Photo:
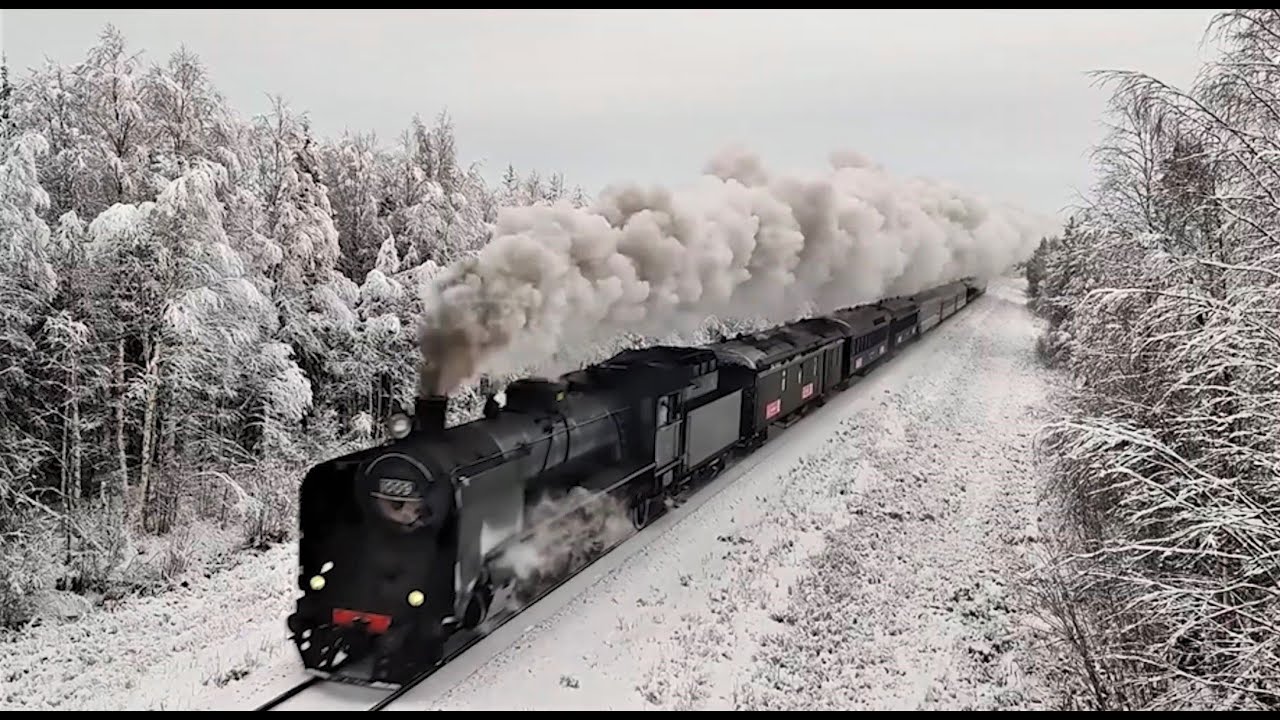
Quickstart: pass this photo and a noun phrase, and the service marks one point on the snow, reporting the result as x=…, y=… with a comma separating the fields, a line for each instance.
x=866, y=559
x=170, y=651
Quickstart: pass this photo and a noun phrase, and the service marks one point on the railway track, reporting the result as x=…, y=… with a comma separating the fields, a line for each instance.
x=288, y=694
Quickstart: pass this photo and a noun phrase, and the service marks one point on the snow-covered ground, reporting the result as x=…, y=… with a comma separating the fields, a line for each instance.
x=867, y=561
x=172, y=651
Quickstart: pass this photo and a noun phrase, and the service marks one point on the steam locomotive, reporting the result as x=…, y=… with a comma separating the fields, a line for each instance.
x=398, y=542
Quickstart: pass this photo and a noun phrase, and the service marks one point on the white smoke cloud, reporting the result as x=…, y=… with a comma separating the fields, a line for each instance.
x=738, y=243
x=585, y=525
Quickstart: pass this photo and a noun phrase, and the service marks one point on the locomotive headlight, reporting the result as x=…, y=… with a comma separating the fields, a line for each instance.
x=416, y=598
x=399, y=425
x=317, y=582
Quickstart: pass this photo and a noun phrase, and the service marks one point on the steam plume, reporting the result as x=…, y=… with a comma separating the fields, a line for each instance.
x=585, y=526
x=737, y=243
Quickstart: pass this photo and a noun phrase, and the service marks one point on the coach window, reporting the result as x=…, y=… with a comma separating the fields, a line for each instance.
x=663, y=410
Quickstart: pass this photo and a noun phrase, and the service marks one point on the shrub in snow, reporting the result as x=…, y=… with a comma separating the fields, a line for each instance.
x=30, y=562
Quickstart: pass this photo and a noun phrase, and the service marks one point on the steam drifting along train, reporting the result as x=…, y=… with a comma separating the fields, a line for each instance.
x=398, y=542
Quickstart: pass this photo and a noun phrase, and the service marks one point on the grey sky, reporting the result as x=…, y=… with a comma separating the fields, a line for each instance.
x=997, y=102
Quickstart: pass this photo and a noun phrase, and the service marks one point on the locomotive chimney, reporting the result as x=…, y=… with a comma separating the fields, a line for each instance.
x=431, y=412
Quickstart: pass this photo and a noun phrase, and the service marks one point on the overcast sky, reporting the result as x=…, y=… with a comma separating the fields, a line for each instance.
x=997, y=102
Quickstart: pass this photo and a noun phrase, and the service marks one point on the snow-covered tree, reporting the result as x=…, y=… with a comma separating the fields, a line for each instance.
x=469, y=218
x=353, y=174
x=6, y=100
x=532, y=191
x=186, y=117
x=388, y=262
x=510, y=193
x=1162, y=303
x=411, y=257
x=24, y=235
x=109, y=97
x=443, y=150
x=555, y=189
x=194, y=305
x=27, y=286
x=411, y=202
x=192, y=315
x=299, y=217
x=49, y=103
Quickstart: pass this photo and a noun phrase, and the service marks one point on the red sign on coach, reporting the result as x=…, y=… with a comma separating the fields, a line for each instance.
x=773, y=408
x=806, y=391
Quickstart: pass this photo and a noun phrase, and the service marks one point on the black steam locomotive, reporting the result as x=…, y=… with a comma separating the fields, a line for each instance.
x=398, y=541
